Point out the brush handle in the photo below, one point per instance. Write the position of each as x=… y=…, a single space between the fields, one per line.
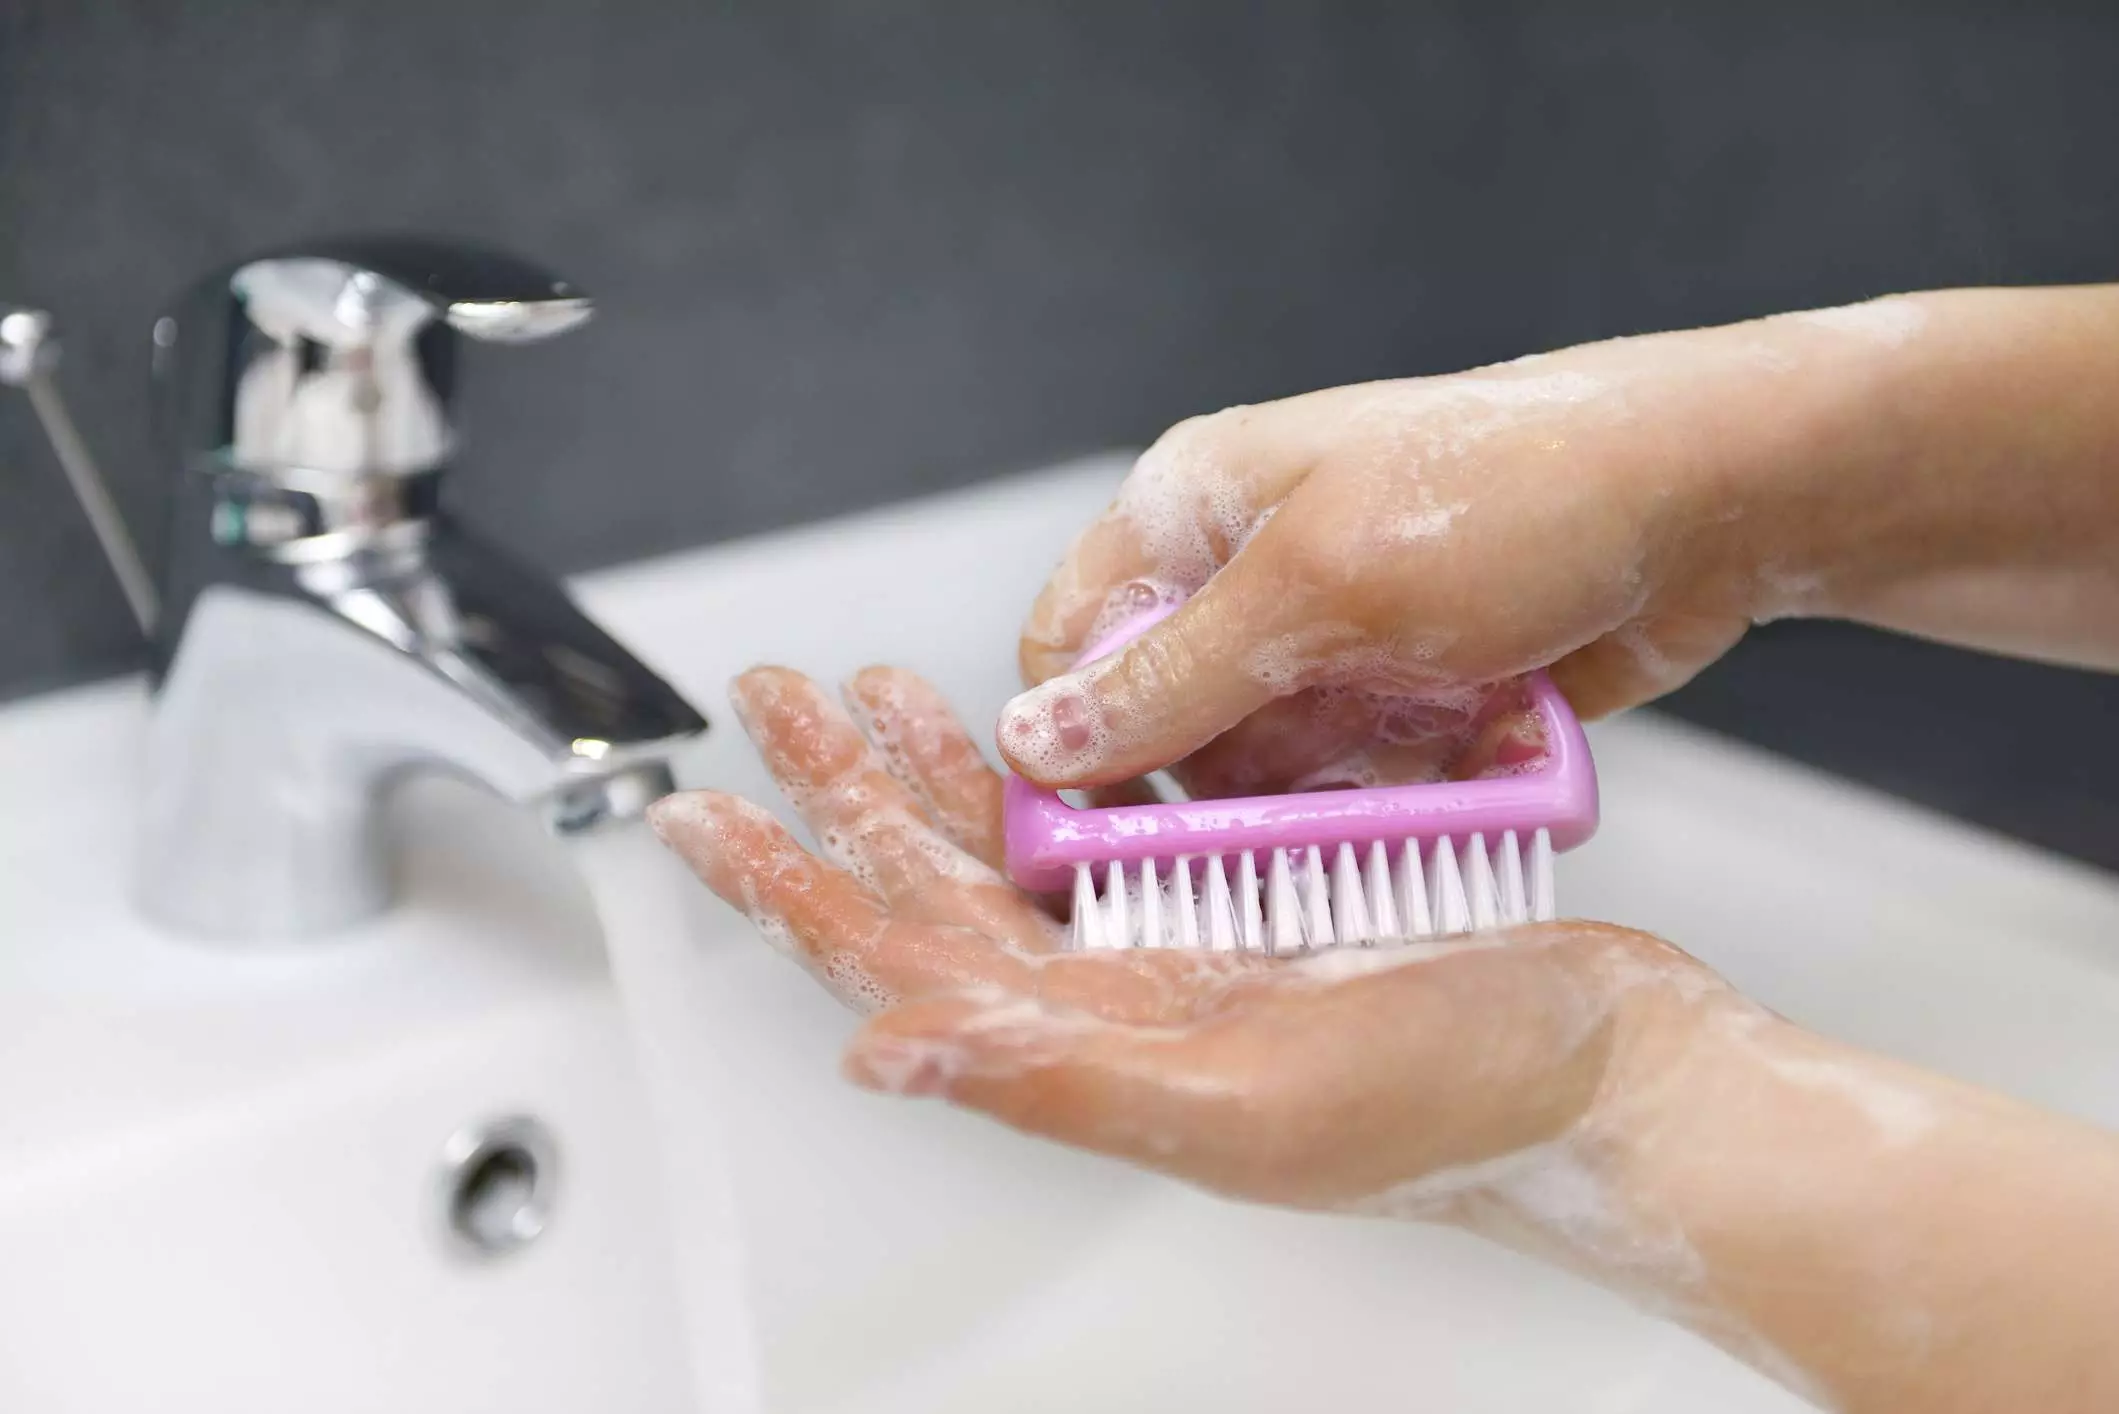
x=1046 y=838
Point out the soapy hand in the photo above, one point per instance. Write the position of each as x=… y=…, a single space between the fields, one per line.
x=1877 y=1238
x=1336 y=1080
x=1360 y=565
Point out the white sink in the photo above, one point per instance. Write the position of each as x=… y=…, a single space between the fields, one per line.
x=217 y=1170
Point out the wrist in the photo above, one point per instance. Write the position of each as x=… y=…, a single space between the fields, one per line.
x=1792 y=438
x=1914 y=461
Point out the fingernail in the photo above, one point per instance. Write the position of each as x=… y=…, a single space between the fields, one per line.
x=678 y=813
x=739 y=700
x=1070 y=719
x=1524 y=744
x=1050 y=724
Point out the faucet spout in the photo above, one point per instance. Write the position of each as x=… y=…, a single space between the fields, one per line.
x=295 y=697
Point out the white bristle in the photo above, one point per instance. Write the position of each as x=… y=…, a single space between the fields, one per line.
x=1187 y=910
x=1515 y=908
x=1317 y=896
x=1479 y=891
x=1542 y=907
x=1221 y=909
x=1350 y=914
x=1383 y=908
x=1088 y=913
x=1118 y=921
x=1316 y=900
x=1151 y=907
x=1445 y=892
x=1414 y=916
x=1251 y=930
x=1283 y=908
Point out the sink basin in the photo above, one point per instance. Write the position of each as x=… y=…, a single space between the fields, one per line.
x=220 y=1181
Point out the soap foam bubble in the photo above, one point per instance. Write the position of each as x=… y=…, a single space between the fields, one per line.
x=1129 y=601
x=854 y=985
x=1189 y=512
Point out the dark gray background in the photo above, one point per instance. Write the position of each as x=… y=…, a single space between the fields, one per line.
x=852 y=251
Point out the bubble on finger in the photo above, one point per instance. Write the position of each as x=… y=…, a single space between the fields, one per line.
x=888 y=849
x=914 y=737
x=1284 y=663
x=774 y=930
x=1129 y=601
x=854 y=985
x=1279 y=663
x=746 y=879
x=839 y=846
x=1189 y=510
x=1407 y=666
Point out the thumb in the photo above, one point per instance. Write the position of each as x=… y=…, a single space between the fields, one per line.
x=1168 y=692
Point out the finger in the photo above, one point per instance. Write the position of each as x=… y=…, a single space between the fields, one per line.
x=868 y=823
x=871 y=959
x=1508 y=744
x=1187 y=507
x=1259 y=630
x=926 y=749
x=1642 y=661
x=820 y=915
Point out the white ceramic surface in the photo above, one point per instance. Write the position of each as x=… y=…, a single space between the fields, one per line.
x=216 y=1169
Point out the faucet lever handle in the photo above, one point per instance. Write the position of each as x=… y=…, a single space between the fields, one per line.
x=338 y=358
x=485 y=294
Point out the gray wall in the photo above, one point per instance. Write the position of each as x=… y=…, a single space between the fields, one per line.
x=853 y=251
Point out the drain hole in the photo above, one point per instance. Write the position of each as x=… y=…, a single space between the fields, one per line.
x=498 y=1181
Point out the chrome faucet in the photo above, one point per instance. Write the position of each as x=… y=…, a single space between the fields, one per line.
x=324 y=626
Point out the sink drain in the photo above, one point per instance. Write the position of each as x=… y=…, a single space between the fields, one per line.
x=497 y=1185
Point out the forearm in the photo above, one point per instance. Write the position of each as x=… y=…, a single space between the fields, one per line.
x=1888 y=1238
x=1944 y=464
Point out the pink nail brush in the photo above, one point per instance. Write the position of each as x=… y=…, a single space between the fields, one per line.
x=1287 y=874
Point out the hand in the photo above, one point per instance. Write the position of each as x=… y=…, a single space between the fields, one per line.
x=1879 y=1238
x=1335 y=1081
x=1361 y=564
